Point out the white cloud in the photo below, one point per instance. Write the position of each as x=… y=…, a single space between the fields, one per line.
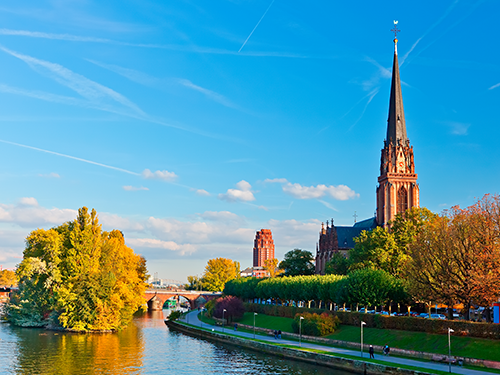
x=276 y=180
x=458 y=128
x=294 y=233
x=159 y=175
x=28 y=201
x=134 y=188
x=242 y=193
x=221 y=216
x=202 y=193
x=28 y=214
x=182 y=249
x=340 y=192
x=212 y=95
x=494 y=86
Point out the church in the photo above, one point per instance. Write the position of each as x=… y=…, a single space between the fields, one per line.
x=397 y=188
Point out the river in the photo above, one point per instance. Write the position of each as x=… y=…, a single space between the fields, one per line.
x=147 y=346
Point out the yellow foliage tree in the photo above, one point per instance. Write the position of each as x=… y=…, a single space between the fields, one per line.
x=271 y=266
x=218 y=272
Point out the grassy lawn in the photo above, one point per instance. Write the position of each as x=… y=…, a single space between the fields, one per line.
x=266 y=321
x=425 y=342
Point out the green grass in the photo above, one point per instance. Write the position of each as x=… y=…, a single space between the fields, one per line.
x=269 y=322
x=420 y=341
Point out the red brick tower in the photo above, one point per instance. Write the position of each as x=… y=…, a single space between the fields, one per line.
x=263 y=247
x=398 y=189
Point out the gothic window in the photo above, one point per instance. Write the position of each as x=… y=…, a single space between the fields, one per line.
x=402 y=200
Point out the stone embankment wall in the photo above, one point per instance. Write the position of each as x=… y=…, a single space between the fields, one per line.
x=351 y=365
x=399 y=352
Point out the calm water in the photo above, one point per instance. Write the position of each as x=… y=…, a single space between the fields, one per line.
x=145 y=347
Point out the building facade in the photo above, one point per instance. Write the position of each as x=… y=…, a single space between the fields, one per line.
x=263 y=249
x=397 y=189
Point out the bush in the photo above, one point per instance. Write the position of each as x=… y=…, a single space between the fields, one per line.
x=233 y=306
x=174 y=315
x=315 y=324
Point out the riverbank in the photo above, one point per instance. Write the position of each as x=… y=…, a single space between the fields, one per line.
x=339 y=363
x=392 y=364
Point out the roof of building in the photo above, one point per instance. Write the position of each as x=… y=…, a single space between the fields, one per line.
x=345 y=235
x=396 y=126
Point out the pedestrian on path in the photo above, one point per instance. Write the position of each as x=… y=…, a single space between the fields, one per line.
x=235 y=326
x=386 y=350
x=279 y=333
x=371 y=352
x=275 y=334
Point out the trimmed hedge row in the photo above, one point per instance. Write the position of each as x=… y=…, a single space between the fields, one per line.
x=403 y=323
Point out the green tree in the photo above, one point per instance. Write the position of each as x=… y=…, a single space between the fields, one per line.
x=194 y=283
x=78 y=277
x=337 y=265
x=297 y=262
x=218 y=272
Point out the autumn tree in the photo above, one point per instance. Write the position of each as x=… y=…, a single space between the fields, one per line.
x=8 y=278
x=78 y=277
x=456 y=257
x=218 y=271
x=297 y=262
x=271 y=266
x=194 y=283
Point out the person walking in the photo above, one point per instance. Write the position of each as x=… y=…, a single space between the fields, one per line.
x=386 y=350
x=275 y=334
x=279 y=333
x=371 y=352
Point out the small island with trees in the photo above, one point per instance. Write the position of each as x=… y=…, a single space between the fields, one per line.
x=77 y=277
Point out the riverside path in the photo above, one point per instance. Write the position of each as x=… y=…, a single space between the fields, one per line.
x=192 y=318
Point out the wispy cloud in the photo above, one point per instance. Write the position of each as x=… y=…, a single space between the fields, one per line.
x=458 y=128
x=258 y=23
x=494 y=86
x=159 y=175
x=71 y=157
x=202 y=192
x=243 y=192
x=216 y=97
x=100 y=96
x=134 y=188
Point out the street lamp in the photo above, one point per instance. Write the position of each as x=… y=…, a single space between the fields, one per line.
x=223 y=311
x=300 y=331
x=254 y=314
x=362 y=324
x=449 y=348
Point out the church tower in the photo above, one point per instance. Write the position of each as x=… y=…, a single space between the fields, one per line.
x=397 y=188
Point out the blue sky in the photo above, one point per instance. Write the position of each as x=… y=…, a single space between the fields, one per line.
x=190 y=125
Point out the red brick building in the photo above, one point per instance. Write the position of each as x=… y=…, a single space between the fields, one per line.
x=263 y=249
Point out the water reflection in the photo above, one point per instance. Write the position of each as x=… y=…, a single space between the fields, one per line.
x=145 y=347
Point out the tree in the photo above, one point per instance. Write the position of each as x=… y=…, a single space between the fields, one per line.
x=78 y=277
x=271 y=266
x=194 y=283
x=368 y=287
x=337 y=265
x=218 y=271
x=297 y=262
x=456 y=256
x=8 y=278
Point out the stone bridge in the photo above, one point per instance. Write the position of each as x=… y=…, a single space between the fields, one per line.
x=157 y=297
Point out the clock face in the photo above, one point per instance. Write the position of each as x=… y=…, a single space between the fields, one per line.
x=401 y=164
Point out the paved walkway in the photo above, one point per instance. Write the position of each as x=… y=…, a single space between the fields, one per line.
x=192 y=318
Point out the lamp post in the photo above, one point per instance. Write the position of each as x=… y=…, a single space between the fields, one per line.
x=254 y=314
x=300 y=331
x=362 y=324
x=449 y=348
x=223 y=311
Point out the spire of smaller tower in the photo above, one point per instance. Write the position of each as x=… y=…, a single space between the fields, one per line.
x=396 y=125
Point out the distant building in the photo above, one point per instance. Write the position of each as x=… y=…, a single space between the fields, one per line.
x=397 y=189
x=263 y=247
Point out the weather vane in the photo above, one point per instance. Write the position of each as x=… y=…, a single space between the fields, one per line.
x=395 y=30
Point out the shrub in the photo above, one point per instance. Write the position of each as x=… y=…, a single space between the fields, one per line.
x=174 y=315
x=233 y=306
x=315 y=324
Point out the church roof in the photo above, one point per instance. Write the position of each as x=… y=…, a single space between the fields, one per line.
x=345 y=235
x=396 y=126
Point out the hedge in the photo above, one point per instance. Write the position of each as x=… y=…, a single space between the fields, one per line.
x=403 y=323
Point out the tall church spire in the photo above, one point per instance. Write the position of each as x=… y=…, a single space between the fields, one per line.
x=396 y=127
x=398 y=189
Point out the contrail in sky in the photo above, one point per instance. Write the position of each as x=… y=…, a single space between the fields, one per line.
x=71 y=157
x=246 y=40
